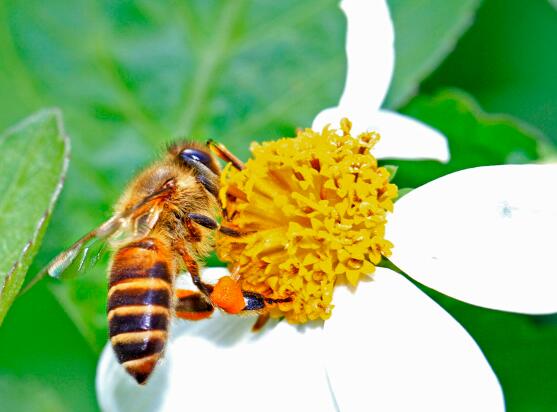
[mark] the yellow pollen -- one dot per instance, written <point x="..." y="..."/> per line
<point x="314" y="210"/>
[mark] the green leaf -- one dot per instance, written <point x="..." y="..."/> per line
<point x="507" y="60"/>
<point x="34" y="158"/>
<point x="131" y="76"/>
<point x="426" y="32"/>
<point x="41" y="346"/>
<point x="24" y="395"/>
<point x="403" y="192"/>
<point x="475" y="138"/>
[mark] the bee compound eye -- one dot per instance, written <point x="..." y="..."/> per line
<point x="197" y="155"/>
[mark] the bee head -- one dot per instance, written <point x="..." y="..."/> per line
<point x="186" y="152"/>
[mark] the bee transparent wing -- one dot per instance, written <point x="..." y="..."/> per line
<point x="84" y="253"/>
<point x="81" y="256"/>
<point x="145" y="222"/>
<point x="136" y="222"/>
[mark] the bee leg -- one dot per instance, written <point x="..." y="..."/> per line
<point x="194" y="233"/>
<point x="203" y="220"/>
<point x="260" y="322"/>
<point x="192" y="305"/>
<point x="230" y="297"/>
<point x="193" y="269"/>
<point x="228" y="231"/>
<point x="256" y="301"/>
<point x="221" y="151"/>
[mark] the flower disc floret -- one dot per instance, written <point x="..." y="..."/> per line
<point x="313" y="211"/>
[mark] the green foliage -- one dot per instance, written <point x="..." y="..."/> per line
<point x="29" y="395"/>
<point x="142" y="73"/>
<point x="41" y="348"/>
<point x="403" y="192"/>
<point x="34" y="158"/>
<point x="508" y="62"/>
<point x="475" y="138"/>
<point x="426" y="32"/>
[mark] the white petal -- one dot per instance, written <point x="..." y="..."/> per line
<point x="397" y="350"/>
<point x="405" y="138"/>
<point x="484" y="235"/>
<point x="331" y="116"/>
<point x="369" y="52"/>
<point x="219" y="364"/>
<point x="401" y="137"/>
<point x="370" y="61"/>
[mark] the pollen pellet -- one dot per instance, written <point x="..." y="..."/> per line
<point x="315" y="207"/>
<point x="227" y="295"/>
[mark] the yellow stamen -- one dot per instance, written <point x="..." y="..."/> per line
<point x="314" y="209"/>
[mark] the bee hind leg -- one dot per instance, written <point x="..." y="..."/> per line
<point x="256" y="301"/>
<point x="228" y="296"/>
<point x="261" y="321"/>
<point x="191" y="305"/>
<point x="260" y="304"/>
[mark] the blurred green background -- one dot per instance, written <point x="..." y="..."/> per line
<point x="131" y="75"/>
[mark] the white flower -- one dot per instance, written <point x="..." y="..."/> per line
<point x="479" y="235"/>
<point x="370" y="60"/>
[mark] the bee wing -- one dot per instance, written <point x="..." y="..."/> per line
<point x="142" y="222"/>
<point x="80" y="256"/>
<point x="84" y="253"/>
<point x="135" y="222"/>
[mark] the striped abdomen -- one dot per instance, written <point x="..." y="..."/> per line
<point x="139" y="299"/>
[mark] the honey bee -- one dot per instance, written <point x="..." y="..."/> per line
<point x="163" y="223"/>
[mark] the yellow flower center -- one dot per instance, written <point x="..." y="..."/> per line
<point x="314" y="210"/>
